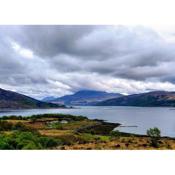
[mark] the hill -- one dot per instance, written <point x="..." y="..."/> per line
<point x="85" y="97"/>
<point x="150" y="99"/>
<point x="13" y="100"/>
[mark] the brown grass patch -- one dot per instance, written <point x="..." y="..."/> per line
<point x="54" y="132"/>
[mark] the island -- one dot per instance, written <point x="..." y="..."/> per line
<point x="69" y="132"/>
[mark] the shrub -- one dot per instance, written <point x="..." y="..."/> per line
<point x="4" y="125"/>
<point x="115" y="133"/>
<point x="33" y="120"/>
<point x="19" y="126"/>
<point x="13" y="117"/>
<point x="31" y="146"/>
<point x="48" y="142"/>
<point x="27" y="140"/>
<point x="4" y="145"/>
<point x="86" y="138"/>
<point x="154" y="134"/>
<point x="22" y="127"/>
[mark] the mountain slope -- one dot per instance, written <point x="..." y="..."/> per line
<point x="85" y="97"/>
<point x="49" y="98"/>
<point x="150" y="99"/>
<point x="13" y="100"/>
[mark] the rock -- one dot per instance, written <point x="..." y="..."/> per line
<point x="126" y="144"/>
<point x="117" y="145"/>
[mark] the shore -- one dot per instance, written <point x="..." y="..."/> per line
<point x="68" y="132"/>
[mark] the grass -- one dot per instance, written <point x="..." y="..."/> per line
<point x="47" y="132"/>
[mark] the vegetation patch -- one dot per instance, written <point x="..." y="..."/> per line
<point x="27" y="140"/>
<point x="58" y="131"/>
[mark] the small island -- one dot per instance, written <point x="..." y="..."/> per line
<point x="68" y="132"/>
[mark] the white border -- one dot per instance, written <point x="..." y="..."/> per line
<point x="155" y="13"/>
<point x="87" y="162"/>
<point x="126" y="12"/>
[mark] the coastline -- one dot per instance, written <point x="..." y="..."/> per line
<point x="61" y="131"/>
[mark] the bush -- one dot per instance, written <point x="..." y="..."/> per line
<point x="4" y="125"/>
<point x="27" y="140"/>
<point x="4" y="145"/>
<point x="8" y="126"/>
<point x="154" y="134"/>
<point x="31" y="146"/>
<point x="86" y="138"/>
<point x="48" y="142"/>
<point x="13" y="117"/>
<point x="59" y="116"/>
<point x="115" y="133"/>
<point x="22" y="127"/>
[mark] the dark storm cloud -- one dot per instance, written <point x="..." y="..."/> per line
<point x="50" y="40"/>
<point x="49" y="60"/>
<point x="95" y="46"/>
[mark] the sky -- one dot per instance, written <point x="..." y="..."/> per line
<point x="54" y="60"/>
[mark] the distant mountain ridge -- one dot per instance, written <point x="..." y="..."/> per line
<point x="150" y="99"/>
<point x="50" y="98"/>
<point x="85" y="97"/>
<point x="13" y="100"/>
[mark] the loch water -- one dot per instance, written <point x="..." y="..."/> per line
<point x="133" y="119"/>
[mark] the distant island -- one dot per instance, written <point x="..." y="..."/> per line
<point x="13" y="100"/>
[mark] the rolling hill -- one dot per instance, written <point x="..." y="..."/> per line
<point x="13" y="100"/>
<point x="150" y="99"/>
<point x="84" y="97"/>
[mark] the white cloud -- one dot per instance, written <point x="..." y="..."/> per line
<point x="26" y="53"/>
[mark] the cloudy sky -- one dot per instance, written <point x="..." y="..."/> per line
<point x="43" y="61"/>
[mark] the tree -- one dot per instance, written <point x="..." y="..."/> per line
<point x="154" y="134"/>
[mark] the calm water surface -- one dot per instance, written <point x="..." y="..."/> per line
<point x="143" y="118"/>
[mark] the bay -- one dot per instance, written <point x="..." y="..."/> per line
<point x="133" y="119"/>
